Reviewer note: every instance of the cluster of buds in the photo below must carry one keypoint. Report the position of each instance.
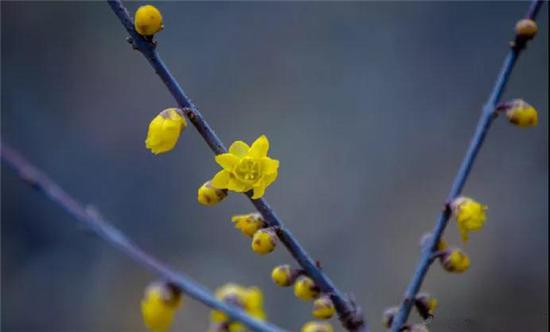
(304, 289)
(249, 299)
(159, 305)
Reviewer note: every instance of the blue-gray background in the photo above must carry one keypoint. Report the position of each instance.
(368, 106)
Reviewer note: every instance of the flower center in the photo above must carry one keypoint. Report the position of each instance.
(248, 170)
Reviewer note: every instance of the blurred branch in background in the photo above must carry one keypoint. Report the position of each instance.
(488, 114)
(349, 314)
(102, 228)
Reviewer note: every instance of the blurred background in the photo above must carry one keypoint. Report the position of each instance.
(368, 106)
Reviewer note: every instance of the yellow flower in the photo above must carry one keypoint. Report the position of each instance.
(148, 20)
(455, 261)
(521, 113)
(305, 289)
(159, 306)
(264, 241)
(470, 215)
(317, 327)
(164, 130)
(250, 299)
(208, 195)
(248, 224)
(246, 168)
(323, 308)
(283, 275)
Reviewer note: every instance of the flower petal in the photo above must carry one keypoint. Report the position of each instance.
(221, 179)
(237, 186)
(269, 178)
(270, 165)
(259, 191)
(239, 148)
(259, 148)
(227, 160)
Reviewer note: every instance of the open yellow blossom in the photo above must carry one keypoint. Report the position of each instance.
(305, 289)
(250, 299)
(455, 261)
(246, 168)
(164, 130)
(148, 20)
(159, 306)
(249, 223)
(317, 327)
(470, 215)
(323, 308)
(521, 113)
(208, 195)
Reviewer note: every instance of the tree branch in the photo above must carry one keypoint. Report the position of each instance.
(106, 231)
(348, 313)
(484, 123)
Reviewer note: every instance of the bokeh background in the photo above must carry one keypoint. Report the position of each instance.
(368, 106)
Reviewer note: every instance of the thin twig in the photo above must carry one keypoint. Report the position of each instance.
(106, 231)
(484, 123)
(349, 314)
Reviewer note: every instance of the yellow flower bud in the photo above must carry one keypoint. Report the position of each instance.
(264, 241)
(470, 215)
(283, 275)
(164, 130)
(305, 289)
(208, 195)
(317, 327)
(426, 305)
(148, 20)
(455, 261)
(248, 224)
(520, 113)
(526, 29)
(159, 305)
(388, 316)
(323, 308)
(250, 299)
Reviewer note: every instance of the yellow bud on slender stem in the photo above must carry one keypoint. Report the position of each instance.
(305, 289)
(284, 275)
(164, 130)
(148, 20)
(249, 223)
(208, 195)
(264, 241)
(455, 261)
(323, 308)
(314, 326)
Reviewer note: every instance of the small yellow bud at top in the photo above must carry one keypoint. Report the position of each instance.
(526, 29)
(323, 308)
(246, 168)
(264, 241)
(249, 223)
(305, 289)
(520, 113)
(283, 275)
(426, 305)
(164, 130)
(159, 305)
(388, 316)
(317, 327)
(455, 261)
(470, 215)
(148, 20)
(208, 195)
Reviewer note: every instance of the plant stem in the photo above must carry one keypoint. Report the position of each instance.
(106, 231)
(486, 119)
(348, 313)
